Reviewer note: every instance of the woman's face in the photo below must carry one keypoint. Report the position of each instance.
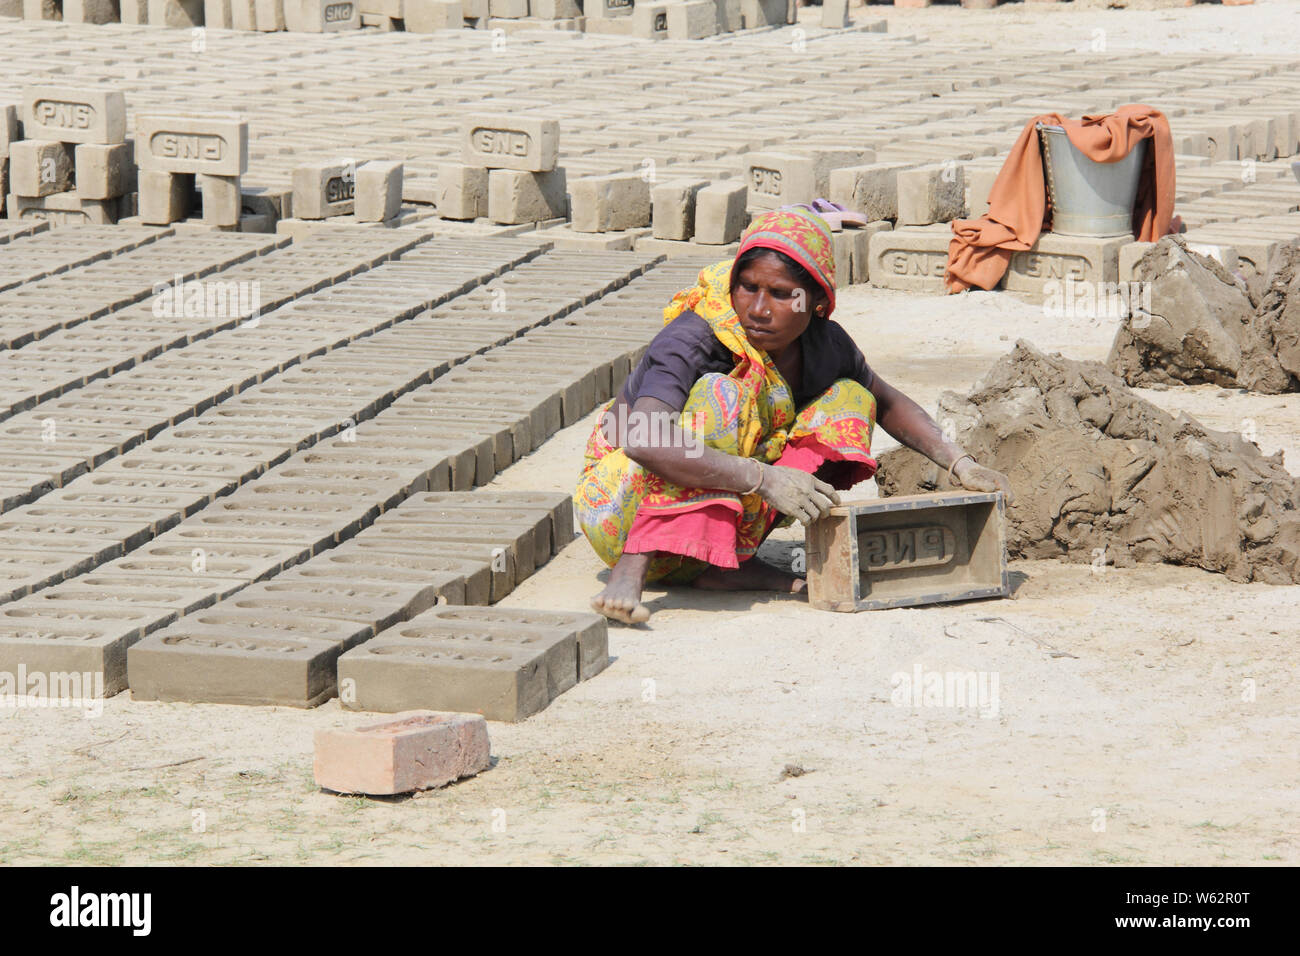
(772, 307)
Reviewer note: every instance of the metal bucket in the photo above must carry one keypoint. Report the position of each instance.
(1089, 198)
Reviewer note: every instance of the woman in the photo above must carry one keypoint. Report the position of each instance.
(749, 409)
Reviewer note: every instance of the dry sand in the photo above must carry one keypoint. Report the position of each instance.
(1126, 730)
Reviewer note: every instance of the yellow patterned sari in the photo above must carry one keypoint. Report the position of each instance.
(751, 413)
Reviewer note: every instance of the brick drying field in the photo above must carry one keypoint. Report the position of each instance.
(245, 521)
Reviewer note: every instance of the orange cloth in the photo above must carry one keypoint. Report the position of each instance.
(981, 249)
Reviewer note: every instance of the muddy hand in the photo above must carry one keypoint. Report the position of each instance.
(796, 493)
(978, 478)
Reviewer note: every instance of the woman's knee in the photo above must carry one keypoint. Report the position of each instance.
(847, 393)
(714, 409)
(851, 388)
(714, 387)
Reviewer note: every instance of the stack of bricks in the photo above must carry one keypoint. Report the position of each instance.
(75, 166)
(1211, 201)
(164, 13)
(681, 19)
(609, 16)
(508, 173)
(422, 16)
(69, 11)
(696, 217)
(426, 16)
(647, 19)
(266, 16)
(617, 203)
(921, 200)
(178, 153)
(801, 174)
(346, 595)
(385, 15)
(369, 193)
(1238, 209)
(319, 16)
(511, 16)
(1244, 247)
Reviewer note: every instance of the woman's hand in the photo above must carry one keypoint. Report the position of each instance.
(796, 493)
(974, 477)
(909, 423)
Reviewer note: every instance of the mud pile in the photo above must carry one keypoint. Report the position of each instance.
(1278, 315)
(1101, 475)
(1202, 325)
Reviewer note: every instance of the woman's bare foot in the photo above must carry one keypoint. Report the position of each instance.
(752, 575)
(621, 599)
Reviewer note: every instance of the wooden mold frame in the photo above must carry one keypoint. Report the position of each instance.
(908, 551)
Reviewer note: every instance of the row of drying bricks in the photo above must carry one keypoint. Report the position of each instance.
(1205, 134)
(42, 253)
(309, 385)
(78, 418)
(104, 337)
(37, 304)
(74, 327)
(1278, 124)
(380, 555)
(1270, 130)
(117, 289)
(461, 463)
(505, 667)
(1284, 122)
(10, 230)
(712, 213)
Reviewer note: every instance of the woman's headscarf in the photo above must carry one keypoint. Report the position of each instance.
(804, 237)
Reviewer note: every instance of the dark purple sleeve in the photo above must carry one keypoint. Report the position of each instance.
(676, 358)
(853, 364)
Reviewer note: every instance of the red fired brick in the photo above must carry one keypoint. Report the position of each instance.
(415, 750)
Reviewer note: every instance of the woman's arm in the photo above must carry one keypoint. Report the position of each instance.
(653, 439)
(649, 435)
(912, 426)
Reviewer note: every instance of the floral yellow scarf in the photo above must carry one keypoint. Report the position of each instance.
(770, 400)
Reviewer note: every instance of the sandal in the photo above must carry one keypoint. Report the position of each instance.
(833, 219)
(837, 214)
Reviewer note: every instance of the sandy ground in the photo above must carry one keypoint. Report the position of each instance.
(1141, 716)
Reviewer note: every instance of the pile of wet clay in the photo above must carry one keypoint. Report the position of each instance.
(1101, 475)
(1195, 322)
